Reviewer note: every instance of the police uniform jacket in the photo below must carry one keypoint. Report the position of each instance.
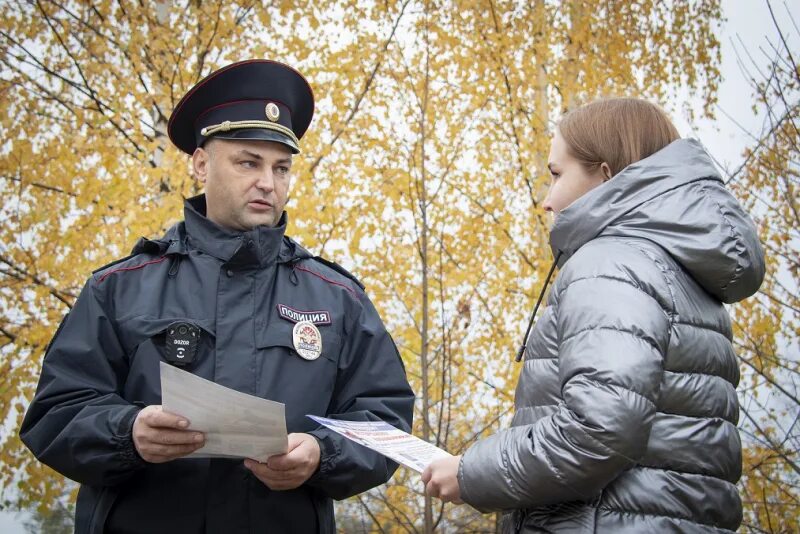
(244, 291)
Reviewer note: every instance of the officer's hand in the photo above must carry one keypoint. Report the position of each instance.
(441, 479)
(161, 436)
(290, 470)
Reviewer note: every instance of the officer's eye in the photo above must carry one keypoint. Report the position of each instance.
(248, 164)
(283, 169)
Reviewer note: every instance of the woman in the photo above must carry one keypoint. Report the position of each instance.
(626, 407)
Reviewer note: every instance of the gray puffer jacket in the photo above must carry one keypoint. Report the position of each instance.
(626, 408)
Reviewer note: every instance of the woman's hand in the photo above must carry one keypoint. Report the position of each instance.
(441, 479)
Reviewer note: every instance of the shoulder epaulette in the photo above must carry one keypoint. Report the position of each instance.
(107, 265)
(149, 246)
(339, 269)
(143, 245)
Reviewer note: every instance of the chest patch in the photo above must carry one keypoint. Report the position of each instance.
(307, 340)
(298, 316)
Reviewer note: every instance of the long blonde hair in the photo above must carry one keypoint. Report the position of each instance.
(617, 131)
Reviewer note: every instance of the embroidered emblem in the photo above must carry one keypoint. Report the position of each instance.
(307, 340)
(272, 111)
(296, 316)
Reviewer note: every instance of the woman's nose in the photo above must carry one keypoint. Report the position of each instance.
(547, 205)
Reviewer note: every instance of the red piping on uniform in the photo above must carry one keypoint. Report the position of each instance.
(159, 260)
(350, 289)
(226, 104)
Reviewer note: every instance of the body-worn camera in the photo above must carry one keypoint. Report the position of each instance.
(181, 343)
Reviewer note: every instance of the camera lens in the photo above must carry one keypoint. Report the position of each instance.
(182, 330)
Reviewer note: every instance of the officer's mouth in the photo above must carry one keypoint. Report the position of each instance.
(259, 205)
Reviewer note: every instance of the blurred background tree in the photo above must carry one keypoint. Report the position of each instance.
(767, 326)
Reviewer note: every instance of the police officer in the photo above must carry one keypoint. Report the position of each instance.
(228, 275)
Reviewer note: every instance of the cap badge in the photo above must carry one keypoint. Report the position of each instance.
(307, 340)
(273, 113)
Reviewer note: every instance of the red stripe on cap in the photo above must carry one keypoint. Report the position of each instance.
(348, 288)
(234, 102)
(145, 264)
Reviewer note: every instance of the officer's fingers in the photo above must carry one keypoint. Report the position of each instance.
(159, 436)
(171, 451)
(259, 469)
(290, 459)
(281, 476)
(262, 473)
(304, 454)
(293, 440)
(176, 437)
(284, 462)
(297, 439)
(270, 477)
(161, 419)
(141, 429)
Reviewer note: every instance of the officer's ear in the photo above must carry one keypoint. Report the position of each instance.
(200, 162)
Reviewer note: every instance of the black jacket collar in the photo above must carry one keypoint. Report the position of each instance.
(257, 247)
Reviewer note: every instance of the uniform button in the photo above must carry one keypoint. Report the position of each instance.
(229, 273)
(250, 244)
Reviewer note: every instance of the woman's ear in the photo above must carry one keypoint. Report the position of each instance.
(606, 171)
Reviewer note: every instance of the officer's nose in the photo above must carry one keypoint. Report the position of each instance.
(266, 180)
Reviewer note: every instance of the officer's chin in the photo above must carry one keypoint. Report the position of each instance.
(255, 220)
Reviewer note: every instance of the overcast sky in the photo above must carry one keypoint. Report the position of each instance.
(750, 22)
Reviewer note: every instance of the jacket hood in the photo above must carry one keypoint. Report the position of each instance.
(676, 199)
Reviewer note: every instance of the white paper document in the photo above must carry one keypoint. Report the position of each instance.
(392, 442)
(236, 425)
